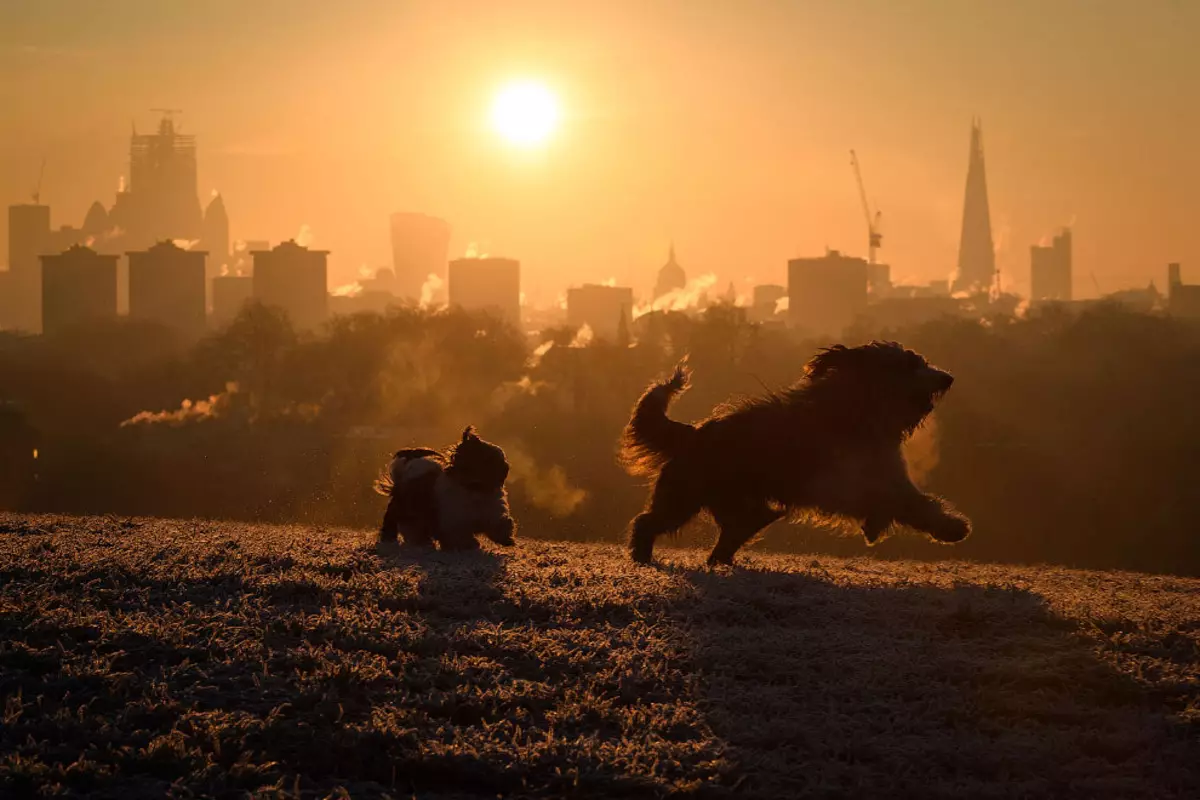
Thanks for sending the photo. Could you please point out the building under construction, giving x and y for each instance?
(161, 200)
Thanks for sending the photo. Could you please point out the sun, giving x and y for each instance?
(525, 114)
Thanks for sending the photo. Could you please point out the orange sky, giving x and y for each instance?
(725, 125)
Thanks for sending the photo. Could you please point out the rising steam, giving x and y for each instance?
(583, 337)
(679, 299)
(921, 450)
(429, 290)
(304, 237)
(189, 411)
(548, 489)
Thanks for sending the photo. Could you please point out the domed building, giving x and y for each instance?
(670, 277)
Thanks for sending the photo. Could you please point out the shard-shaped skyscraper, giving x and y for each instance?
(976, 251)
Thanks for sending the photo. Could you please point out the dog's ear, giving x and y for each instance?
(827, 360)
(469, 433)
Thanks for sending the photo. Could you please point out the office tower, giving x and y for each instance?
(487, 284)
(293, 278)
(602, 308)
(826, 294)
(167, 286)
(29, 237)
(420, 248)
(79, 286)
(1050, 269)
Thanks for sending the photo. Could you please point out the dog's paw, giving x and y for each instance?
(953, 528)
(641, 555)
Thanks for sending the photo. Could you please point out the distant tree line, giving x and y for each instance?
(1068, 438)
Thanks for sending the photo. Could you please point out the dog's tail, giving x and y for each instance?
(651, 437)
(385, 484)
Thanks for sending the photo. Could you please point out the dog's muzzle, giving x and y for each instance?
(937, 381)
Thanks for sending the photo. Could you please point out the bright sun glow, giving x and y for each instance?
(525, 114)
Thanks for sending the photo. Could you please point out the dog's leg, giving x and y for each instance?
(670, 508)
(931, 515)
(739, 523)
(874, 526)
(502, 531)
(390, 528)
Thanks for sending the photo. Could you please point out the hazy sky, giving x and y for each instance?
(724, 124)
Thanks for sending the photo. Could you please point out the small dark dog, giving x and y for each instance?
(827, 449)
(447, 496)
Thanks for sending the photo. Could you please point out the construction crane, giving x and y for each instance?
(875, 238)
(37, 190)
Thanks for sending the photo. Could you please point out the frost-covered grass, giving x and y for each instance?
(151, 658)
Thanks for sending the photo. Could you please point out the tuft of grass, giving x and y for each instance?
(149, 658)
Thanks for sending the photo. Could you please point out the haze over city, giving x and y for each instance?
(724, 127)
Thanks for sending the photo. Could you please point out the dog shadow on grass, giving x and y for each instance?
(840, 685)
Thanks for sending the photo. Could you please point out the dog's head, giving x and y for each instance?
(476, 464)
(888, 384)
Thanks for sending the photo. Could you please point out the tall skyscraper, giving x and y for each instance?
(420, 247)
(167, 286)
(487, 284)
(29, 236)
(162, 184)
(79, 286)
(976, 249)
(1050, 269)
(670, 277)
(215, 239)
(826, 294)
(293, 278)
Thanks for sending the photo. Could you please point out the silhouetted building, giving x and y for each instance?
(1050, 269)
(604, 309)
(383, 283)
(1183, 300)
(162, 186)
(487, 284)
(826, 294)
(670, 276)
(293, 278)
(167, 285)
(243, 259)
(215, 240)
(765, 301)
(79, 286)
(976, 249)
(364, 301)
(902, 312)
(95, 222)
(230, 293)
(879, 280)
(420, 248)
(28, 237)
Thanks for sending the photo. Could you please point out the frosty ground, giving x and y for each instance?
(151, 658)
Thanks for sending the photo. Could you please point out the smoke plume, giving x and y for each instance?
(304, 237)
(189, 411)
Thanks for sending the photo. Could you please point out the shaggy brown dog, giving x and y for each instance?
(447, 496)
(828, 447)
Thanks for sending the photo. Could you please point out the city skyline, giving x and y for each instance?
(742, 166)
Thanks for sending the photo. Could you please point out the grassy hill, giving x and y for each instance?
(146, 658)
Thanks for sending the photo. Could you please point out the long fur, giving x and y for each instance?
(827, 448)
(447, 496)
